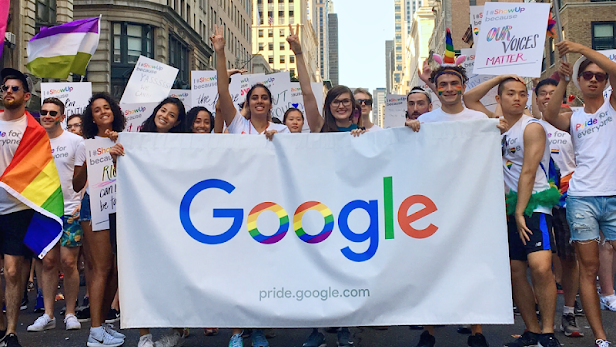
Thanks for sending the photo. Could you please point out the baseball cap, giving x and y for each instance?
(25, 80)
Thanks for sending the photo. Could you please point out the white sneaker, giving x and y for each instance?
(608, 302)
(602, 343)
(112, 332)
(43, 323)
(103, 339)
(170, 340)
(146, 341)
(71, 322)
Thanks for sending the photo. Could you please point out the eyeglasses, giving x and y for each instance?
(51, 113)
(345, 102)
(4, 88)
(366, 102)
(599, 76)
(71, 126)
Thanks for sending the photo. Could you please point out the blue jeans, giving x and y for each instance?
(86, 213)
(588, 216)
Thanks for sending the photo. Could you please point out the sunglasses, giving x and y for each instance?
(51, 113)
(366, 102)
(599, 76)
(4, 88)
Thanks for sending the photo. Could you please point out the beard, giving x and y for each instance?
(13, 104)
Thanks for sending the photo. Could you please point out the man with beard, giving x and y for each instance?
(418, 102)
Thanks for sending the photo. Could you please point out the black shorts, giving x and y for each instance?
(13, 228)
(541, 239)
(562, 234)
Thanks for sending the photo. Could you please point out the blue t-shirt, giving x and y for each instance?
(353, 126)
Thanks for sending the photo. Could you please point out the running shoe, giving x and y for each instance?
(236, 341)
(344, 337)
(477, 340)
(173, 339)
(100, 338)
(258, 339)
(145, 341)
(71, 322)
(608, 302)
(426, 340)
(43, 323)
(10, 340)
(112, 316)
(109, 329)
(548, 340)
(569, 326)
(577, 308)
(24, 304)
(602, 343)
(527, 339)
(315, 339)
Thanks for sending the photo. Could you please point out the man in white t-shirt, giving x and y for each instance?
(530, 198)
(68, 151)
(591, 198)
(15, 216)
(364, 99)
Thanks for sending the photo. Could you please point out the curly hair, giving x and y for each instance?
(457, 70)
(90, 129)
(192, 115)
(149, 126)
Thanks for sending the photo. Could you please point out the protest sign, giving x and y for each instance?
(101, 181)
(150, 81)
(74, 95)
(610, 53)
(395, 111)
(381, 250)
(183, 95)
(136, 114)
(489, 100)
(297, 100)
(511, 39)
(476, 14)
(204, 90)
(279, 85)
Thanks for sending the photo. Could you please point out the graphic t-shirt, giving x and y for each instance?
(594, 143)
(513, 158)
(241, 125)
(439, 115)
(68, 151)
(561, 149)
(11, 133)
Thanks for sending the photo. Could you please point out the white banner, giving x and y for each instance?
(150, 81)
(476, 14)
(279, 85)
(101, 181)
(489, 100)
(395, 111)
(511, 39)
(184, 96)
(345, 238)
(74, 95)
(136, 114)
(297, 100)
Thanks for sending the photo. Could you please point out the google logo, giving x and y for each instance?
(371, 207)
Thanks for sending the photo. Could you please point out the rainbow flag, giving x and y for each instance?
(32, 178)
(450, 55)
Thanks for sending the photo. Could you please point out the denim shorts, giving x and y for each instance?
(588, 216)
(85, 214)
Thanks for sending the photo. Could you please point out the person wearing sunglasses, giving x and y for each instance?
(591, 198)
(68, 151)
(364, 99)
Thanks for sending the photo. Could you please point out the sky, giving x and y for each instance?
(363, 28)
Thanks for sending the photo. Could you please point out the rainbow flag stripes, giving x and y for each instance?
(252, 222)
(327, 217)
(450, 55)
(555, 151)
(33, 179)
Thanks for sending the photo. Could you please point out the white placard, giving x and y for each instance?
(74, 95)
(474, 80)
(610, 53)
(279, 85)
(476, 14)
(101, 181)
(395, 111)
(383, 250)
(297, 100)
(150, 81)
(511, 39)
(136, 114)
(184, 96)
(204, 90)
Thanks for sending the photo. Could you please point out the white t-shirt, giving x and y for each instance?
(561, 148)
(374, 127)
(439, 115)
(514, 158)
(594, 142)
(68, 151)
(241, 125)
(11, 133)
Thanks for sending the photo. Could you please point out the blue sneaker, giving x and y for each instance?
(236, 341)
(258, 339)
(40, 304)
(344, 338)
(316, 339)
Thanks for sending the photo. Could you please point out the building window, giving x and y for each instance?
(128, 43)
(271, 59)
(551, 44)
(260, 32)
(178, 58)
(46, 11)
(292, 59)
(282, 33)
(472, 2)
(270, 46)
(270, 33)
(292, 72)
(282, 59)
(282, 46)
(603, 35)
(260, 46)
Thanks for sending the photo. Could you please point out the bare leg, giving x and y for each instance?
(588, 257)
(50, 278)
(606, 269)
(540, 264)
(523, 295)
(15, 280)
(100, 262)
(71, 276)
(558, 268)
(570, 280)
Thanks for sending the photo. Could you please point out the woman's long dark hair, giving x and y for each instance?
(90, 129)
(192, 115)
(330, 121)
(150, 127)
(249, 94)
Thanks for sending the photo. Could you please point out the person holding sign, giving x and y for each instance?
(101, 117)
(69, 152)
(591, 198)
(530, 199)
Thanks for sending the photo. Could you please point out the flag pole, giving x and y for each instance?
(559, 27)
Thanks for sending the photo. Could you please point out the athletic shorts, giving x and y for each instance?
(562, 234)
(13, 228)
(589, 216)
(72, 234)
(85, 214)
(541, 240)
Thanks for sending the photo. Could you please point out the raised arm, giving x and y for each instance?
(552, 113)
(315, 121)
(535, 107)
(472, 98)
(227, 108)
(424, 75)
